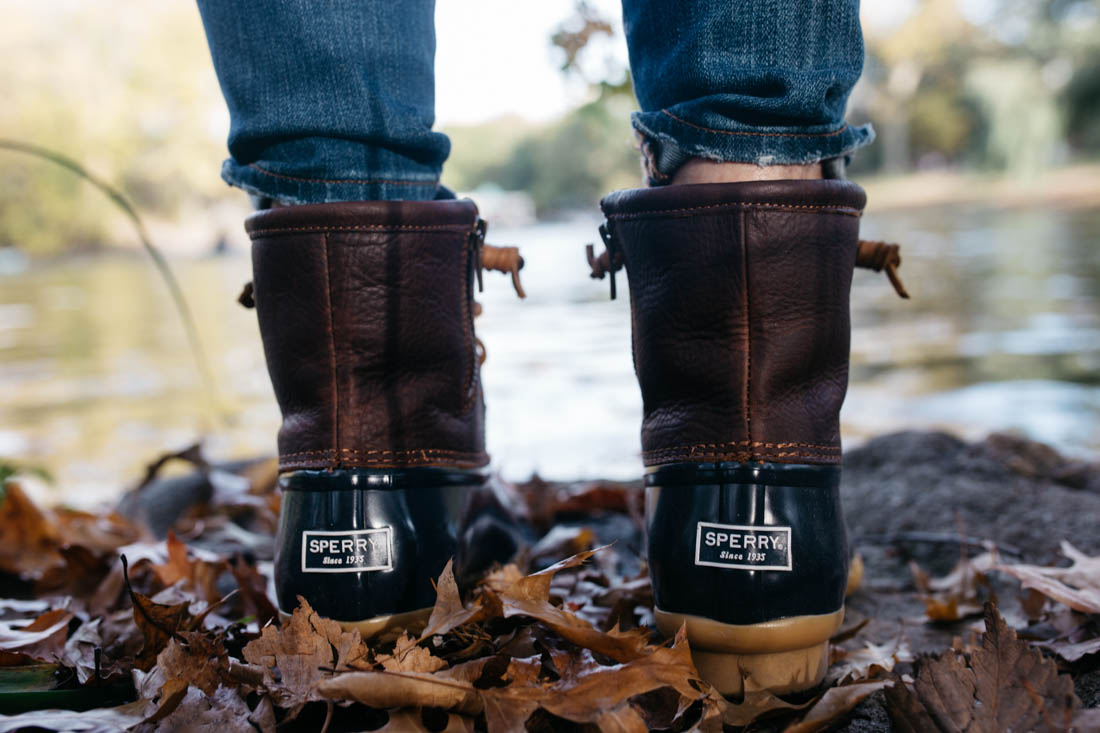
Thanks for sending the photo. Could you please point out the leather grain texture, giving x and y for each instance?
(365, 312)
(739, 301)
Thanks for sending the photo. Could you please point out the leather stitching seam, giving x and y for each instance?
(365, 228)
(748, 326)
(741, 444)
(742, 455)
(794, 208)
(332, 350)
(353, 451)
(469, 350)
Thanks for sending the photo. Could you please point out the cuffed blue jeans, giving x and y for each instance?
(333, 100)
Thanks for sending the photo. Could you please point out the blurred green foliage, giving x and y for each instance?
(134, 99)
(994, 85)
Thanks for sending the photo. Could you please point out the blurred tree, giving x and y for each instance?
(148, 117)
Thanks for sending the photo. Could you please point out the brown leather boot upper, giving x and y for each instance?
(739, 302)
(366, 315)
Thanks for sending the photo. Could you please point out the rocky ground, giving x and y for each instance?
(932, 517)
(912, 496)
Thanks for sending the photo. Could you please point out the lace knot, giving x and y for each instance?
(880, 257)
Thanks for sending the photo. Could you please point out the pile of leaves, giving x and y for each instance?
(181, 633)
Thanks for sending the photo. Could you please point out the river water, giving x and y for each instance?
(1002, 333)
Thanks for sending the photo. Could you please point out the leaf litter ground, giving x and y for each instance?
(159, 617)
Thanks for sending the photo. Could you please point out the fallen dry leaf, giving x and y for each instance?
(29, 536)
(834, 704)
(754, 705)
(1077, 586)
(870, 661)
(600, 690)
(402, 690)
(1004, 685)
(199, 573)
(1073, 651)
(43, 639)
(408, 657)
(1087, 721)
(222, 711)
(959, 594)
(529, 596)
(119, 718)
(80, 652)
(295, 658)
(253, 587)
(158, 622)
(449, 612)
(196, 658)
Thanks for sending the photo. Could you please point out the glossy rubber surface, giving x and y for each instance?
(384, 537)
(794, 507)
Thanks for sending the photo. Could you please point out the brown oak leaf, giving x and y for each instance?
(1003, 685)
(29, 535)
(197, 658)
(298, 656)
(199, 573)
(408, 657)
(530, 596)
(158, 622)
(588, 696)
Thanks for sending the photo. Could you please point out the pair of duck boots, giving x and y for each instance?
(739, 300)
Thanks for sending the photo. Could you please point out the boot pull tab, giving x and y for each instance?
(247, 298)
(610, 260)
(879, 256)
(499, 259)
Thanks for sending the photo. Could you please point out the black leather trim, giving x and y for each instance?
(804, 498)
(417, 512)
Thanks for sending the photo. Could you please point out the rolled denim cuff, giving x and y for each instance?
(326, 170)
(669, 140)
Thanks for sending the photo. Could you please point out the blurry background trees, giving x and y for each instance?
(1008, 86)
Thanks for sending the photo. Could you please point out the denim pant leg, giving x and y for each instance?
(743, 80)
(332, 100)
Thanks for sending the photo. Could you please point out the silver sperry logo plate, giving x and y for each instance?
(743, 547)
(352, 551)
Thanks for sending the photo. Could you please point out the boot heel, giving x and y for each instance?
(779, 672)
(783, 656)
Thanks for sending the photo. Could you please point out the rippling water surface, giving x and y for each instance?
(1002, 333)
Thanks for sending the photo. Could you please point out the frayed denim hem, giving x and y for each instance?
(258, 180)
(668, 142)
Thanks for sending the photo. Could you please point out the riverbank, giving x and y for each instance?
(1076, 186)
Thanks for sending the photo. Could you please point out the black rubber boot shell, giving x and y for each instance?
(746, 543)
(360, 544)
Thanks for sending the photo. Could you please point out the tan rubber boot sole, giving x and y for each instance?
(384, 627)
(783, 656)
(855, 575)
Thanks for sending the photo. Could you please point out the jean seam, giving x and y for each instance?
(838, 131)
(368, 181)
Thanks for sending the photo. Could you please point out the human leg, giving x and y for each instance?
(739, 297)
(329, 101)
(743, 82)
(363, 285)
